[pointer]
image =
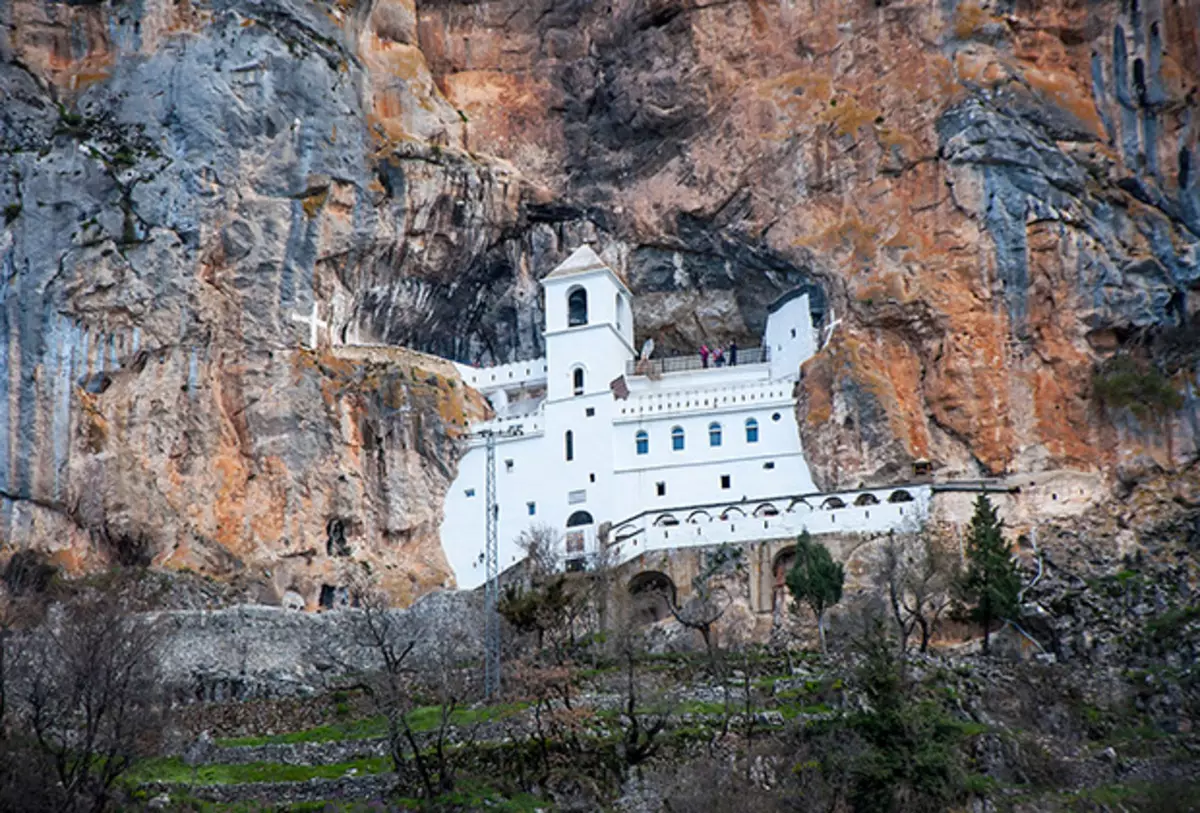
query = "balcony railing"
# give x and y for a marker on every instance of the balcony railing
(679, 364)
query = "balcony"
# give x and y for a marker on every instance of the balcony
(654, 368)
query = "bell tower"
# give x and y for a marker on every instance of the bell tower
(589, 326)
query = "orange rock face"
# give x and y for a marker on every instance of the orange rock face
(985, 200)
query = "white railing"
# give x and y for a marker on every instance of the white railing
(863, 511)
(679, 364)
(641, 405)
(516, 426)
(504, 375)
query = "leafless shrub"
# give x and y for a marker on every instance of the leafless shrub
(917, 577)
(397, 685)
(83, 704)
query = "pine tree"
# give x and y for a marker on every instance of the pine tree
(992, 582)
(815, 579)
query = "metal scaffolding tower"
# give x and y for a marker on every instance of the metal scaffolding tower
(491, 589)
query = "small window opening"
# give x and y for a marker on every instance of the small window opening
(642, 439)
(569, 443)
(577, 307)
(591, 478)
(508, 466)
(470, 492)
(770, 464)
(660, 488)
(577, 380)
(725, 481)
(590, 412)
(532, 506)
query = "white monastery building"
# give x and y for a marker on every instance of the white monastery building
(669, 453)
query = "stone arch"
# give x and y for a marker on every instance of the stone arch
(831, 503)
(900, 495)
(653, 593)
(866, 498)
(780, 566)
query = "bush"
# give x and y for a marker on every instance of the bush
(1123, 382)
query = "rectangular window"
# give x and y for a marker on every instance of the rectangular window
(532, 506)
(576, 497)
(592, 478)
(590, 412)
(470, 492)
(770, 464)
(725, 480)
(508, 466)
(661, 489)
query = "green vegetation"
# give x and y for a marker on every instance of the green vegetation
(992, 582)
(815, 579)
(1171, 624)
(173, 770)
(425, 718)
(11, 212)
(1123, 382)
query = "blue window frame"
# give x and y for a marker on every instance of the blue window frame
(677, 438)
(642, 439)
(751, 430)
(714, 434)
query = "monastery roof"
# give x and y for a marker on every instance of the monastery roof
(583, 260)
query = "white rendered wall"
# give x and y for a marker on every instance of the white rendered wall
(790, 337)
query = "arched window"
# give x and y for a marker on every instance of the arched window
(751, 430)
(579, 518)
(577, 381)
(714, 434)
(677, 438)
(577, 307)
(642, 439)
(620, 310)
(569, 441)
(867, 498)
(900, 496)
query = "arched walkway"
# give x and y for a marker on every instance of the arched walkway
(766, 510)
(867, 499)
(900, 496)
(666, 520)
(833, 502)
(698, 516)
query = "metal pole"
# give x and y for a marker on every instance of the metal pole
(491, 631)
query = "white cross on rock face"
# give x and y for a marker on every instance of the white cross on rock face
(314, 324)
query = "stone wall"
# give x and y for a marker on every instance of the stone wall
(256, 652)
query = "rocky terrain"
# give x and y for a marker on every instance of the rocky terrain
(988, 201)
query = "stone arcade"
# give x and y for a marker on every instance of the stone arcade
(664, 453)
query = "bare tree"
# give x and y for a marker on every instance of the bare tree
(709, 601)
(918, 577)
(397, 685)
(87, 700)
(641, 719)
(542, 545)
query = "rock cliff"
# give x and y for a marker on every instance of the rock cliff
(204, 200)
